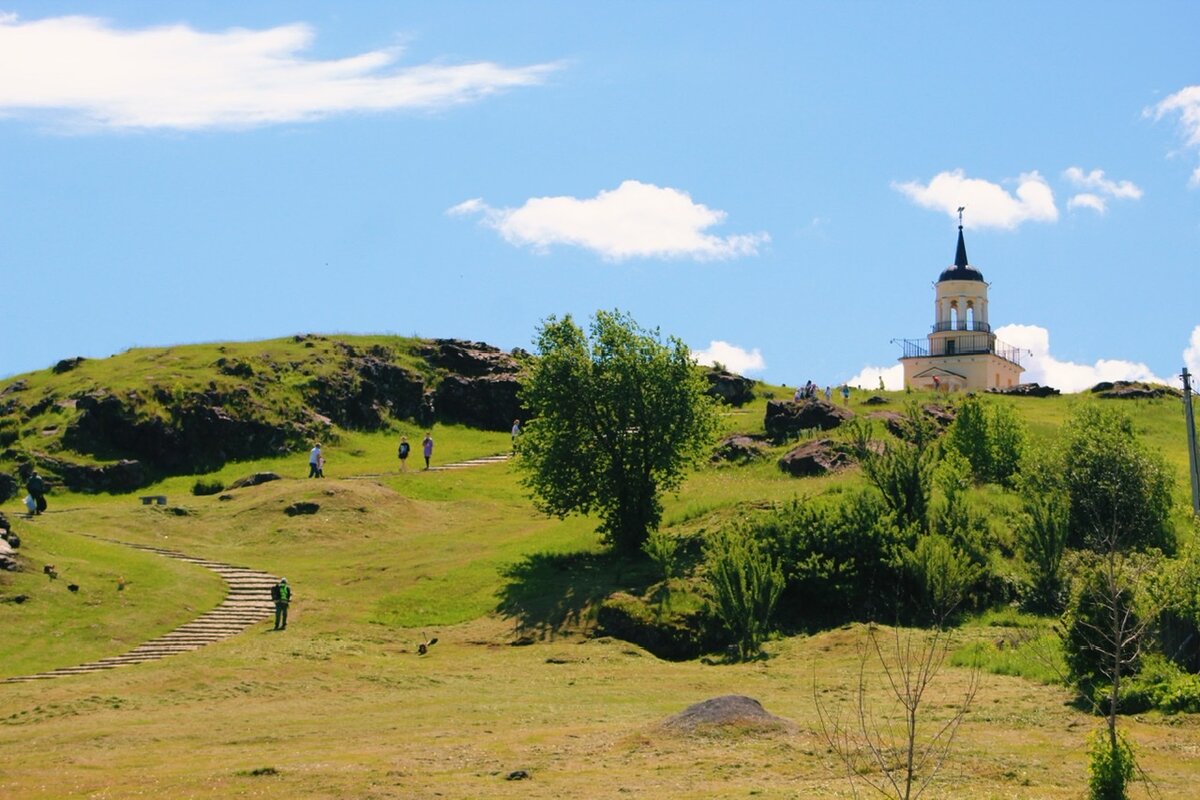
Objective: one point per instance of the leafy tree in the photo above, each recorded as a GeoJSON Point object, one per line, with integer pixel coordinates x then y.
{"type": "Point", "coordinates": [616, 420]}
{"type": "Point", "coordinates": [990, 436]}
{"type": "Point", "coordinates": [1116, 488]}
{"type": "Point", "coordinates": [903, 473]}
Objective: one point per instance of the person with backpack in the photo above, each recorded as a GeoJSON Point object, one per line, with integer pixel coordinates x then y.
{"type": "Point", "coordinates": [404, 448]}
{"type": "Point", "coordinates": [281, 593]}
{"type": "Point", "coordinates": [37, 490]}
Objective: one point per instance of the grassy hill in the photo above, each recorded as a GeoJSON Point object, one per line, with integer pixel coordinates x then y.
{"type": "Point", "coordinates": [341, 705]}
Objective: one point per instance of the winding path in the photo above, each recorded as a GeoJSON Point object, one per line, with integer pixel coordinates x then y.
{"type": "Point", "coordinates": [247, 602]}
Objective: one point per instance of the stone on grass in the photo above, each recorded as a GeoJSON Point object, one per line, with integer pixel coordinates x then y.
{"type": "Point", "coordinates": [731, 711]}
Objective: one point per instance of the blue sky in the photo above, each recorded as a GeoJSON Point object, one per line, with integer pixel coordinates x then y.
{"type": "Point", "coordinates": [774, 183]}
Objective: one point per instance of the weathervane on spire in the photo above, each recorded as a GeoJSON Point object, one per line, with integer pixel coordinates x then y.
{"type": "Point", "coordinates": [960, 210]}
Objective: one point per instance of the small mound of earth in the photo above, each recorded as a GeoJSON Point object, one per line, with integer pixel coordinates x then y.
{"type": "Point", "coordinates": [254, 480]}
{"type": "Point", "coordinates": [731, 711]}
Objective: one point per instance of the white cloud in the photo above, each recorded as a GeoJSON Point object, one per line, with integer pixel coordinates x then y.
{"type": "Point", "coordinates": [1067, 376]}
{"type": "Point", "coordinates": [734, 358]}
{"type": "Point", "coordinates": [1191, 355]}
{"type": "Point", "coordinates": [635, 220]}
{"type": "Point", "coordinates": [88, 73]}
{"type": "Point", "coordinates": [868, 378]}
{"type": "Point", "coordinates": [1096, 182]}
{"type": "Point", "coordinates": [989, 205]}
{"type": "Point", "coordinates": [1085, 200]}
{"type": "Point", "coordinates": [1185, 102]}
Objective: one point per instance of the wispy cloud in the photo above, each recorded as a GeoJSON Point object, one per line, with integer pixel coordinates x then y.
{"type": "Point", "coordinates": [635, 220]}
{"type": "Point", "coordinates": [734, 358]}
{"type": "Point", "coordinates": [989, 205]}
{"type": "Point", "coordinates": [86, 73]}
{"type": "Point", "coordinates": [1098, 189]}
{"type": "Point", "coordinates": [1068, 376]}
{"type": "Point", "coordinates": [1185, 103]}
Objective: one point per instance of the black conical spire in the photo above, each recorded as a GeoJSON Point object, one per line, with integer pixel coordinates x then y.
{"type": "Point", "coordinates": [961, 271]}
{"type": "Point", "coordinates": [960, 256]}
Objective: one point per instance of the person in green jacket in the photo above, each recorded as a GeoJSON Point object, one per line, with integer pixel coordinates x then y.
{"type": "Point", "coordinates": [281, 593]}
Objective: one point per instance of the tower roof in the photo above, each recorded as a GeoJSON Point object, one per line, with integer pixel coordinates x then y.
{"type": "Point", "coordinates": [961, 271]}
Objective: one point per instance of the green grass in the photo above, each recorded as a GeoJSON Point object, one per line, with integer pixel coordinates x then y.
{"type": "Point", "coordinates": [342, 706]}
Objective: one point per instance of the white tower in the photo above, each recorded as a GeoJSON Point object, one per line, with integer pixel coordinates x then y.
{"type": "Point", "coordinates": [960, 352]}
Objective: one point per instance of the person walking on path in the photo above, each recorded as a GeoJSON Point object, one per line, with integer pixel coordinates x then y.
{"type": "Point", "coordinates": [404, 448]}
{"type": "Point", "coordinates": [281, 593]}
{"type": "Point", "coordinates": [314, 461]}
{"type": "Point", "coordinates": [427, 448]}
{"type": "Point", "coordinates": [37, 490]}
{"type": "Point", "coordinates": [516, 433]}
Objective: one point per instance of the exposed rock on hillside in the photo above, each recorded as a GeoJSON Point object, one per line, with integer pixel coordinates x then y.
{"type": "Point", "coordinates": [202, 430]}
{"type": "Point", "coordinates": [730, 389]}
{"type": "Point", "coordinates": [1133, 390]}
{"type": "Point", "coordinates": [121, 476]}
{"type": "Point", "coordinates": [740, 448]}
{"type": "Point", "coordinates": [488, 401]}
{"type": "Point", "coordinates": [1026, 390]}
{"type": "Point", "coordinates": [818, 457]}
{"type": "Point", "coordinates": [786, 417]}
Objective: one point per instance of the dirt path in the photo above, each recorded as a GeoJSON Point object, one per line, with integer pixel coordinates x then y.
{"type": "Point", "coordinates": [474, 462]}
{"type": "Point", "coordinates": [247, 602]}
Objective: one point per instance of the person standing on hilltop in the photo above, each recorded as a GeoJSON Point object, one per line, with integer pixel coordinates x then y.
{"type": "Point", "coordinates": [37, 490]}
{"type": "Point", "coordinates": [281, 593]}
{"type": "Point", "coordinates": [403, 453]}
{"type": "Point", "coordinates": [314, 461]}
{"type": "Point", "coordinates": [427, 447]}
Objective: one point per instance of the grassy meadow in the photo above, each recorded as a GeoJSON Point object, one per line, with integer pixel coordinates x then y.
{"type": "Point", "coordinates": [342, 706]}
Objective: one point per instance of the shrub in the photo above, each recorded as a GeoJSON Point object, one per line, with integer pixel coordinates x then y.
{"type": "Point", "coordinates": [1110, 767]}
{"type": "Point", "coordinates": [1042, 534]}
{"type": "Point", "coordinates": [1095, 646]}
{"type": "Point", "coordinates": [663, 549]}
{"type": "Point", "coordinates": [943, 574]}
{"type": "Point", "coordinates": [840, 559]}
{"type": "Point", "coordinates": [204, 487]}
{"type": "Point", "coordinates": [745, 583]}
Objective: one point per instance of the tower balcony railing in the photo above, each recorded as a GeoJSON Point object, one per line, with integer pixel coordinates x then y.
{"type": "Point", "coordinates": [961, 325]}
{"type": "Point", "coordinates": [958, 346]}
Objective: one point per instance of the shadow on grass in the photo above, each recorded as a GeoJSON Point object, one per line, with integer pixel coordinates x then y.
{"type": "Point", "coordinates": [548, 593]}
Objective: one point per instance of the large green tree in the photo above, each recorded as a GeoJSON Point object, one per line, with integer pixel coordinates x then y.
{"type": "Point", "coordinates": [617, 418]}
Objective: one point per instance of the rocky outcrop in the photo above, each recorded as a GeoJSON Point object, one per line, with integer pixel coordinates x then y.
{"type": "Point", "coordinates": [67, 364]}
{"type": "Point", "coordinates": [1133, 390]}
{"type": "Point", "coordinates": [1026, 390]}
{"type": "Point", "coordinates": [9, 487]}
{"type": "Point", "coordinates": [898, 425]}
{"type": "Point", "coordinates": [470, 359]}
{"type": "Point", "coordinates": [203, 430]}
{"type": "Point", "coordinates": [739, 448]}
{"type": "Point", "coordinates": [487, 401]}
{"type": "Point", "coordinates": [728, 388]}
{"type": "Point", "coordinates": [787, 418]}
{"type": "Point", "coordinates": [126, 475]}
{"type": "Point", "coordinates": [366, 390]}
{"type": "Point", "coordinates": [875, 400]}
{"type": "Point", "coordinates": [818, 457]}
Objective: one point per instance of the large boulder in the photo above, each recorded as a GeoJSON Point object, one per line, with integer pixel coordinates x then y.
{"type": "Point", "coordinates": [818, 457]}
{"type": "Point", "coordinates": [9, 487]}
{"type": "Point", "coordinates": [740, 448]}
{"type": "Point", "coordinates": [728, 388]}
{"type": "Point", "coordinates": [787, 417]}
